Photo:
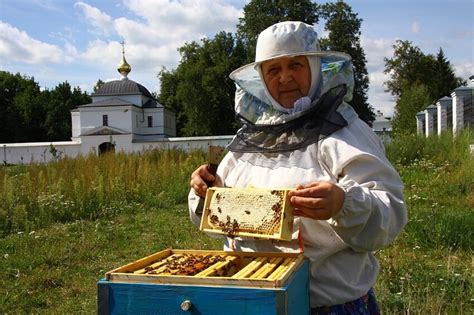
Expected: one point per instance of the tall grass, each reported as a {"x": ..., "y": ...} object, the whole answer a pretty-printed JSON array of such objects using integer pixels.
[
  {"x": 438, "y": 173},
  {"x": 91, "y": 187},
  {"x": 428, "y": 270}
]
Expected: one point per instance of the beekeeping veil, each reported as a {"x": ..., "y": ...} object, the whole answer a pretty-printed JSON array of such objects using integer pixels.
[{"x": 268, "y": 126}]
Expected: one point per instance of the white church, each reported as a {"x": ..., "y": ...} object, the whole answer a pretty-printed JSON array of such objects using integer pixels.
[
  {"x": 123, "y": 117},
  {"x": 122, "y": 113}
]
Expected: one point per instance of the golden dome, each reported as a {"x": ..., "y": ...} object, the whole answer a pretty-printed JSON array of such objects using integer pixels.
[{"x": 123, "y": 67}]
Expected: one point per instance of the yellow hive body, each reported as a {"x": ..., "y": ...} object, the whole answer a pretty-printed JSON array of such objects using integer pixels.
[
  {"x": 210, "y": 267},
  {"x": 250, "y": 212}
]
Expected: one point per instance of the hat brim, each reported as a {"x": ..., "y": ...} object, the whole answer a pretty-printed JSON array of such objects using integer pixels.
[{"x": 326, "y": 57}]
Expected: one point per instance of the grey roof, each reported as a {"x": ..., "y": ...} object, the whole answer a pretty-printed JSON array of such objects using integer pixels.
[
  {"x": 381, "y": 118},
  {"x": 109, "y": 102},
  {"x": 122, "y": 87}
]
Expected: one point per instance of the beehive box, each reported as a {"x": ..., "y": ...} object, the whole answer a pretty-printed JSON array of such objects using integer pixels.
[
  {"x": 248, "y": 212},
  {"x": 207, "y": 282}
]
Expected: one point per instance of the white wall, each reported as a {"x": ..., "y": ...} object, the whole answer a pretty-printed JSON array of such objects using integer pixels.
[
  {"x": 163, "y": 123},
  {"x": 75, "y": 123},
  {"x": 118, "y": 117},
  {"x": 39, "y": 152},
  {"x": 91, "y": 143}
]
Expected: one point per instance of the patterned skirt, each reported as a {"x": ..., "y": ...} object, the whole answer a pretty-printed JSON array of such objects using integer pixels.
[{"x": 365, "y": 305}]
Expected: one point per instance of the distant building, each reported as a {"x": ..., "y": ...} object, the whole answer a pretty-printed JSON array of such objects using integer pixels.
[
  {"x": 381, "y": 123},
  {"x": 122, "y": 112},
  {"x": 382, "y": 126}
]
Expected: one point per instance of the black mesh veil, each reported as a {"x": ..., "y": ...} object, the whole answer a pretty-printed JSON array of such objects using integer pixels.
[{"x": 316, "y": 124}]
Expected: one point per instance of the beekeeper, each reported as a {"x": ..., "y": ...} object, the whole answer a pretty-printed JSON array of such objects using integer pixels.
[{"x": 299, "y": 131}]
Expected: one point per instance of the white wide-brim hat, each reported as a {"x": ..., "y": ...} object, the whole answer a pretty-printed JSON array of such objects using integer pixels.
[{"x": 287, "y": 39}]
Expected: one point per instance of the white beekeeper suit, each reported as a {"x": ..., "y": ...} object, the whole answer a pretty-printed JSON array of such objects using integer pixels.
[{"x": 320, "y": 139}]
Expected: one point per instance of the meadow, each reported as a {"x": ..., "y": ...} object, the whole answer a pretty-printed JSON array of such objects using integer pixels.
[{"x": 64, "y": 224}]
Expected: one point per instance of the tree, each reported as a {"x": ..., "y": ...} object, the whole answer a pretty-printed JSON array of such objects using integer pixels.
[
  {"x": 445, "y": 81},
  {"x": 30, "y": 114},
  {"x": 414, "y": 99},
  {"x": 169, "y": 99},
  {"x": 260, "y": 14},
  {"x": 200, "y": 89},
  {"x": 344, "y": 35},
  {"x": 98, "y": 85},
  {"x": 421, "y": 77},
  {"x": 62, "y": 99},
  {"x": 409, "y": 66},
  {"x": 20, "y": 108}
]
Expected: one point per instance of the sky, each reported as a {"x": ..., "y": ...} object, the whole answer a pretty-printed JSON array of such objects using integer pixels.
[{"x": 79, "y": 41}]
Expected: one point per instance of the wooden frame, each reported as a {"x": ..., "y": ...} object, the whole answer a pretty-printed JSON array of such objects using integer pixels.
[
  {"x": 284, "y": 231},
  {"x": 270, "y": 275}
]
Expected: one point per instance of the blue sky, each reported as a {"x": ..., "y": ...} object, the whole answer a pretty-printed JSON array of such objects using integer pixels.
[{"x": 79, "y": 41}]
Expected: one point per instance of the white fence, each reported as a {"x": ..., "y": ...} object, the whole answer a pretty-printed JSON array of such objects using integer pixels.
[
  {"x": 43, "y": 152},
  {"x": 449, "y": 113}
]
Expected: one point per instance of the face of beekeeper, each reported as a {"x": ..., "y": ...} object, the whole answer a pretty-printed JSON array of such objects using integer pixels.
[{"x": 287, "y": 78}]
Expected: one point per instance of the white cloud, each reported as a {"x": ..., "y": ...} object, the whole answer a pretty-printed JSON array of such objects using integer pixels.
[
  {"x": 376, "y": 49},
  {"x": 101, "y": 22},
  {"x": 154, "y": 35},
  {"x": 415, "y": 27},
  {"x": 380, "y": 99},
  {"x": 464, "y": 70},
  {"x": 16, "y": 45},
  {"x": 99, "y": 50},
  {"x": 186, "y": 18},
  {"x": 170, "y": 24},
  {"x": 158, "y": 30}
]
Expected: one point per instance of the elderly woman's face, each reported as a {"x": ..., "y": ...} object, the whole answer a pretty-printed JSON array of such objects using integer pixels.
[{"x": 287, "y": 79}]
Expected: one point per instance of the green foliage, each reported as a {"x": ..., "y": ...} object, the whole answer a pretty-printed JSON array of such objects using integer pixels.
[
  {"x": 35, "y": 115},
  {"x": 406, "y": 149},
  {"x": 20, "y": 108},
  {"x": 445, "y": 80},
  {"x": 200, "y": 89},
  {"x": 407, "y": 66},
  {"x": 410, "y": 66},
  {"x": 414, "y": 99},
  {"x": 98, "y": 85},
  {"x": 343, "y": 28},
  {"x": 62, "y": 99},
  {"x": 425, "y": 78}
]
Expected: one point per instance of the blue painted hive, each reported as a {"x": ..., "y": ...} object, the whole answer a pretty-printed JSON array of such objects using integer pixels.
[{"x": 207, "y": 282}]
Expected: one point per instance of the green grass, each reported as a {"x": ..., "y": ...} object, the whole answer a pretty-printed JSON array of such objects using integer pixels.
[
  {"x": 66, "y": 223},
  {"x": 55, "y": 270}
]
